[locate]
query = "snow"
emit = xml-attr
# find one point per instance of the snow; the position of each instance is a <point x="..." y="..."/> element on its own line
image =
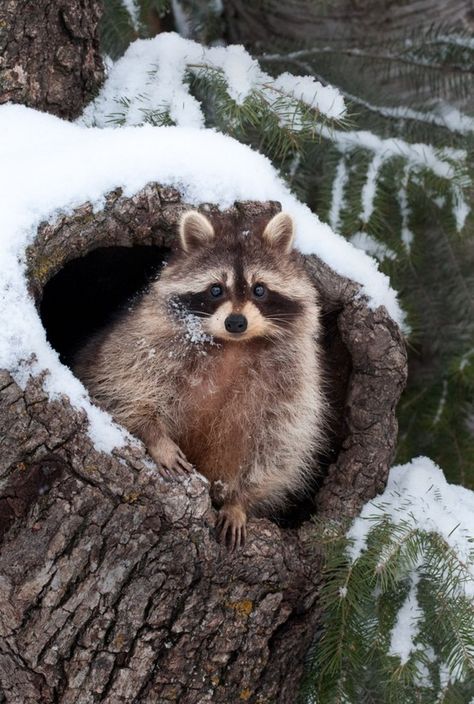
<point x="442" y="403"/>
<point x="418" y="494"/>
<point x="132" y="9"/>
<point x="407" y="626"/>
<point x="241" y="72"/>
<point x="181" y="19"/>
<point x="406" y="235"/>
<point x="453" y="119"/>
<point x="442" y="162"/>
<point x="465" y="359"/>
<point x="379" y="250"/>
<point x="442" y="115"/>
<point x="460" y="40"/>
<point x="326" y="99"/>
<point x="192" y="326"/>
<point x="337" y="200"/>
<point x="151" y="76"/>
<point x="370" y="186"/>
<point x="460" y="209"/>
<point x="50" y="166"/>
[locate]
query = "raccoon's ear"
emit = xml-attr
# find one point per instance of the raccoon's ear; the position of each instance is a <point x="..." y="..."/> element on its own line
<point x="280" y="232"/>
<point x="195" y="231"/>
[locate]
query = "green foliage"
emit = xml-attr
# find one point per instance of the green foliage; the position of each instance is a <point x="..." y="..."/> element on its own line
<point x="277" y="125"/>
<point x="117" y="26"/>
<point x="280" y="124"/>
<point x="353" y="659"/>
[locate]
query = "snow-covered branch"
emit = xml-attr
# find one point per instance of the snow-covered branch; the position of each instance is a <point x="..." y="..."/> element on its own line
<point x="443" y="115"/>
<point x="445" y="163"/>
<point x="153" y="77"/>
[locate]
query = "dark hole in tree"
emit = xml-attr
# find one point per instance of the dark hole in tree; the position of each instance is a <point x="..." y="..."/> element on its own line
<point x="87" y="292"/>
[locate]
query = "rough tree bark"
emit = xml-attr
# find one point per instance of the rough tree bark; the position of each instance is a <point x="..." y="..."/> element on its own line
<point x="112" y="586"/>
<point x="49" y="54"/>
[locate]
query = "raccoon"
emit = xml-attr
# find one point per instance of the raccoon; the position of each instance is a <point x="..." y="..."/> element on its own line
<point x="218" y="367"/>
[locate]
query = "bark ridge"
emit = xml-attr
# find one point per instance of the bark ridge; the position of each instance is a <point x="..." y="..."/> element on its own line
<point x="49" y="54"/>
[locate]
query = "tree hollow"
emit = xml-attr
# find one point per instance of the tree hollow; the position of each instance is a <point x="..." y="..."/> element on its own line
<point x="114" y="588"/>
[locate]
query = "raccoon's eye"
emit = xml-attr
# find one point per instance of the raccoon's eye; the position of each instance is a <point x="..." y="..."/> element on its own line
<point x="259" y="290"/>
<point x="216" y="290"/>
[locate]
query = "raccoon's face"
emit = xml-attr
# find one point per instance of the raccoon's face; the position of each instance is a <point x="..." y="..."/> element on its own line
<point x="240" y="285"/>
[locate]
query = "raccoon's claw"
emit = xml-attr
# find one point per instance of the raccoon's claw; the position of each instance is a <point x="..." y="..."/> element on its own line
<point x="170" y="460"/>
<point x="231" y="527"/>
<point x="183" y="462"/>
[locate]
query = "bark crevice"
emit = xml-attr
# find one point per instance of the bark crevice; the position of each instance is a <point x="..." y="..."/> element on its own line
<point x="50" y="55"/>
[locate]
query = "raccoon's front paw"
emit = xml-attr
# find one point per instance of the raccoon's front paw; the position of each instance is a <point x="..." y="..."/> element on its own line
<point x="170" y="460"/>
<point x="231" y="527"/>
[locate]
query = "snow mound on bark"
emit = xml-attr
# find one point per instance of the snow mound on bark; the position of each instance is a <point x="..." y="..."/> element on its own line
<point x="50" y="166"/>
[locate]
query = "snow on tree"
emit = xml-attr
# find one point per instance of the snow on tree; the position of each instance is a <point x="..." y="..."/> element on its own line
<point x="115" y="587"/>
<point x="399" y="595"/>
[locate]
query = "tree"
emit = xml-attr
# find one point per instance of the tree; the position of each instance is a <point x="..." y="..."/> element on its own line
<point x="50" y="55"/>
<point x="116" y="589"/>
<point x="115" y="595"/>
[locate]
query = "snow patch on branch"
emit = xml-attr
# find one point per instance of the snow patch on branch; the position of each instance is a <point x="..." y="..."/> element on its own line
<point x="370" y="186"/>
<point x="444" y="115"/>
<point x="443" y="163"/>
<point x="337" y="200"/>
<point x="407" y="234"/>
<point x="460" y="208"/>
<point x="312" y="93"/>
<point x="442" y="403"/>
<point x="418" y="495"/>
<point x="379" y="250"/>
<point x="152" y="77"/>
<point x="181" y="19"/>
<point x="407" y="626"/>
<point x="133" y="11"/>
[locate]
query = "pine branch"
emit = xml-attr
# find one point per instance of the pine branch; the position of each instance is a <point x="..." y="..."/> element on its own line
<point x="362" y="601"/>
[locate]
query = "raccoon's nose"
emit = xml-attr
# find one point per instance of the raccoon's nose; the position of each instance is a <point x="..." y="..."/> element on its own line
<point x="236" y="323"/>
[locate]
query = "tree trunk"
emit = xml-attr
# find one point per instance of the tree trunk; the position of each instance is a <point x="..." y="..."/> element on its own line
<point x="113" y="588"/>
<point x="112" y="585"/>
<point x="49" y="54"/>
<point x="346" y="21"/>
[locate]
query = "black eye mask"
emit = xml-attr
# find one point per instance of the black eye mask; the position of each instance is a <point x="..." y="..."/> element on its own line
<point x="202" y="303"/>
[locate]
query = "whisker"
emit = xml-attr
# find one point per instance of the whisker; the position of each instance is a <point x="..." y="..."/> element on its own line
<point x="200" y="313"/>
<point x="275" y="319"/>
<point x="280" y="316"/>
